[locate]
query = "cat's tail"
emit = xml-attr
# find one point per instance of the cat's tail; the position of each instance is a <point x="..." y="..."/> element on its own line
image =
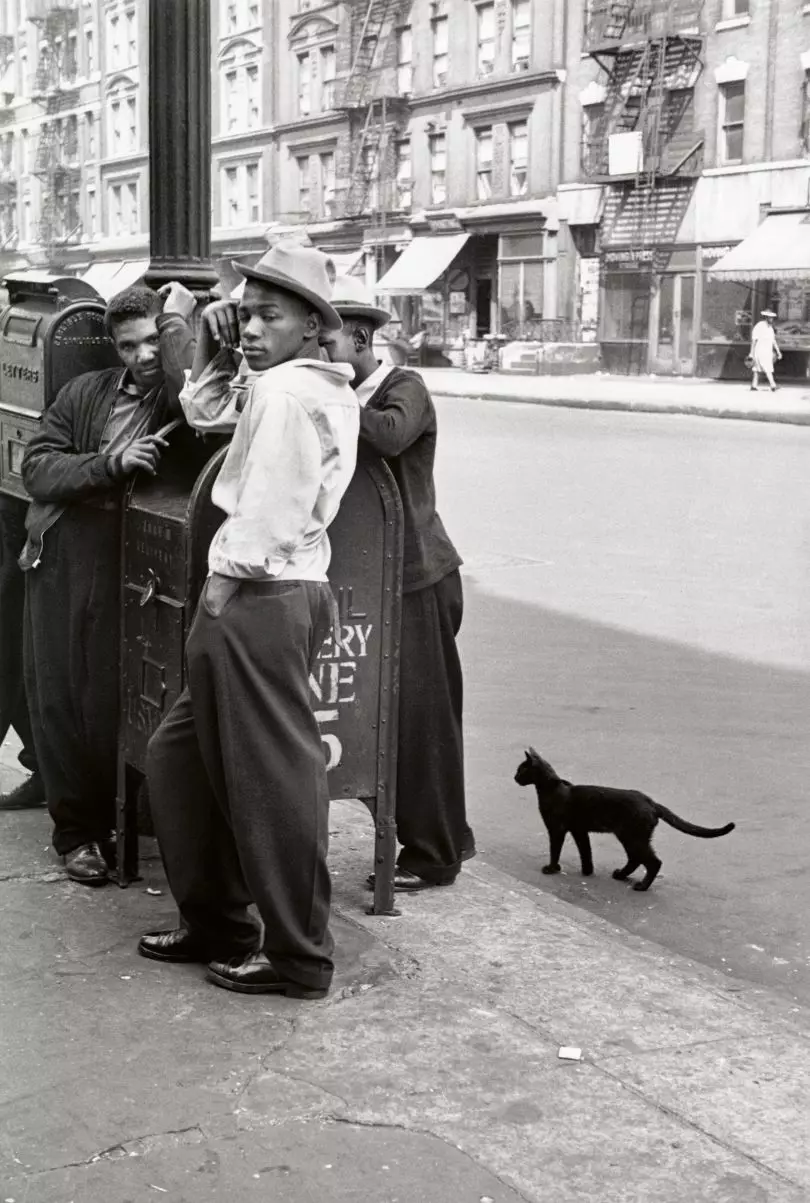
<point x="706" y="833"/>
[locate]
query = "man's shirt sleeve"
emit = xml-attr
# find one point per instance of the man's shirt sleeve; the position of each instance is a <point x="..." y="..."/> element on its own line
<point x="400" y="418"/>
<point x="52" y="468"/>
<point x="213" y="403"/>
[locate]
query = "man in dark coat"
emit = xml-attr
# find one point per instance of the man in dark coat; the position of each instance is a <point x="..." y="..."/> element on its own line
<point x="398" y="420"/>
<point x="102" y="428"/>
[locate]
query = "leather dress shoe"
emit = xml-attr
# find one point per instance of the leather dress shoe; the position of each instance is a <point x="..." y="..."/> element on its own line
<point x="176" y="945"/>
<point x="87" y="865"/>
<point x="28" y="795"/>
<point x="254" y="974"/>
<point x="403" y="880"/>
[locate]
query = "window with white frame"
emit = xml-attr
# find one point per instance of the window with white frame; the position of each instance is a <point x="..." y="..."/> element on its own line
<point x="236" y="15"/>
<point x="594" y="142"/>
<point x="438" y="169"/>
<point x="521" y="34"/>
<point x="130" y="21"/>
<point x="735" y="8"/>
<point x="240" y="91"/>
<point x="521" y="281"/>
<point x="404" y="61"/>
<point x="328" y="75"/>
<point x="123" y="212"/>
<point x="70" y="64"/>
<point x="404" y="174"/>
<point x="91" y="214"/>
<point x="328" y="183"/>
<point x="27" y="231"/>
<point x="122" y="39"/>
<point x="66" y="205"/>
<point x="518" y="158"/>
<point x="304" y="188"/>
<point x="486" y="39"/>
<point x="483" y="163"/>
<point x="90" y="140"/>
<point x="89" y="51"/>
<point x="441" y="36"/>
<point x="304" y="67"/>
<point x="732" y="121"/>
<point x="69" y="135"/>
<point x="122" y="107"/>
<point x="239" y="193"/>
<point x="25" y="153"/>
<point x="370" y="168"/>
<point x="804" y="132"/>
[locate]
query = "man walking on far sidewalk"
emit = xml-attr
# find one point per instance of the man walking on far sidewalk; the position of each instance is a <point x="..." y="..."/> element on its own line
<point x="763" y="349"/>
<point x="398" y="420"/>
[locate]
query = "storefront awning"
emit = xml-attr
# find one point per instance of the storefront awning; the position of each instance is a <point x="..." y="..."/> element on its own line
<point x="422" y="262"/>
<point x="345" y="262"/>
<point x="779" y="249"/>
<point x="114" y="275"/>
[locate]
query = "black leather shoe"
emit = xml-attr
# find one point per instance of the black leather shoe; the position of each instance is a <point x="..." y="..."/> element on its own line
<point x="403" y="880"/>
<point x="177" y="946"/>
<point x="254" y="974"/>
<point x="87" y="866"/>
<point x="29" y="795"/>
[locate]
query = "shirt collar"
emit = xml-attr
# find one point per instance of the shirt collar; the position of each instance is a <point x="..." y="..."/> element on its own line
<point x="128" y="388"/>
<point x="365" y="391"/>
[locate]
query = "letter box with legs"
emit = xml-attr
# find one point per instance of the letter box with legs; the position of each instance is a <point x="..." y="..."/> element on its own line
<point x="51" y="330"/>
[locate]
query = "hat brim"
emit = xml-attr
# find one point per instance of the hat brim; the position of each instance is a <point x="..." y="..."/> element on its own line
<point x="368" y="313"/>
<point x="331" y="317"/>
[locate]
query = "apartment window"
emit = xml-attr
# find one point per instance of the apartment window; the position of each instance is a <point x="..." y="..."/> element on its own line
<point x="123" y="122"/>
<point x="90" y="145"/>
<point x="6" y="150"/>
<point x="486" y="39"/>
<point x="483" y="163"/>
<point x="252" y="191"/>
<point x="735" y="8"/>
<point x="521" y="34"/>
<point x="302" y="167"/>
<point x="253" y="13"/>
<point x="732" y="120"/>
<point x="231" y="16"/>
<point x="123" y="209"/>
<point x="241" y="107"/>
<point x="91" y="213"/>
<point x="441" y="34"/>
<point x="239" y="185"/>
<point x="328" y="184"/>
<point x="521" y="277"/>
<point x="805" y="126"/>
<point x="594" y="145"/>
<point x="328" y="73"/>
<point x="237" y="15"/>
<point x="90" y="51"/>
<point x="71" y="139"/>
<point x="23" y="88"/>
<point x="438" y="169"/>
<point x="518" y="158"/>
<point x="114" y="42"/>
<point x="404" y="176"/>
<point x="404" y="61"/>
<point x="25" y="152"/>
<point x="8" y="220"/>
<point x="371" y="174"/>
<point x="304" y="85"/>
<point x="27" y="220"/>
<point x="71" y="62"/>
<point x="230" y="94"/>
<point x="252" y="91"/>
<point x="132" y="37"/>
<point x="66" y="218"/>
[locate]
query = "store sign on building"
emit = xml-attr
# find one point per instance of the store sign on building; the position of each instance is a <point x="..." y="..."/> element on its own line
<point x="444" y="225"/>
<point x="711" y="254"/>
<point x="628" y="259"/>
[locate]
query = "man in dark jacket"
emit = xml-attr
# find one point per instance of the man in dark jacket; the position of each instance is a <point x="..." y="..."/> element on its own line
<point x="102" y="427"/>
<point x="398" y="420"/>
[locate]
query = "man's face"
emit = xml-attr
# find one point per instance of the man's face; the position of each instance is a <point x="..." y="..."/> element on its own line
<point x="138" y="345"/>
<point x="274" y="325"/>
<point x="339" y="344"/>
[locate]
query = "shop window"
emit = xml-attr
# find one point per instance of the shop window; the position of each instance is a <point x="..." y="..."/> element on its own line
<point x="732" y="121"/>
<point x="521" y="34"/>
<point x="438" y="169"/>
<point x="518" y="159"/>
<point x="626" y="308"/>
<point x="441" y="35"/>
<point x="726" y="311"/>
<point x="404" y="182"/>
<point x="328" y="74"/>
<point x="483" y="163"/>
<point x="521" y="286"/>
<point x="404" y="61"/>
<point x="304" y="84"/>
<point x="486" y="39"/>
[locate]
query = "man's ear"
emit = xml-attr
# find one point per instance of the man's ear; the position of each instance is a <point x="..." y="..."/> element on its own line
<point x="362" y="339"/>
<point x="314" y="324"/>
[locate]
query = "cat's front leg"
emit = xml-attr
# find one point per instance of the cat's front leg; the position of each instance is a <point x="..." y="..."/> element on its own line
<point x="583" y="843"/>
<point x="555" y="840"/>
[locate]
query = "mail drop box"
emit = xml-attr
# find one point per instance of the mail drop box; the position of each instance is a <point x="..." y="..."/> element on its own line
<point x="51" y="330"/>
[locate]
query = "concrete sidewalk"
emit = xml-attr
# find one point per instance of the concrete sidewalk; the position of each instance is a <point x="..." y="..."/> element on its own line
<point x="430" y="1074"/>
<point x="636" y="394"/>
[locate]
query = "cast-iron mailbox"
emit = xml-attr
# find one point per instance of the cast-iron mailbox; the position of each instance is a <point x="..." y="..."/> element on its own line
<point x="169" y="521"/>
<point x="51" y="330"/>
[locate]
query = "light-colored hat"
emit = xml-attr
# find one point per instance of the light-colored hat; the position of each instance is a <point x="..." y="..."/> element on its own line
<point x="351" y="298"/>
<point x="767" y="313"/>
<point x="299" y="269"/>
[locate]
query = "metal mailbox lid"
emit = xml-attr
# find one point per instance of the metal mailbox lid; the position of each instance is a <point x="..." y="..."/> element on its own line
<point x="76" y="342"/>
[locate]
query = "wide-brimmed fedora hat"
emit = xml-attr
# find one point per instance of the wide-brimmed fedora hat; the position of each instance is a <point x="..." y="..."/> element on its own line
<point x="299" y="269"/>
<point x="767" y="313"/>
<point x="351" y="298"/>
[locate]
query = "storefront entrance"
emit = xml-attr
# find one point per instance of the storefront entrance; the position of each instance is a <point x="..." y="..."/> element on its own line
<point x="673" y="350"/>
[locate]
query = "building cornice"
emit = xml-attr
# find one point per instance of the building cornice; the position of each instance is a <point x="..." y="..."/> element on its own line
<point x="485" y="87"/>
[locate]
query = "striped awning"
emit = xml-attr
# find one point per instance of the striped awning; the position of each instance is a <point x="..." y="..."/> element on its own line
<point x="779" y="249"/>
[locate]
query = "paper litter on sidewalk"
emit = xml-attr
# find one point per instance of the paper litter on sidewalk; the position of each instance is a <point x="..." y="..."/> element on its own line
<point x="568" y="1053"/>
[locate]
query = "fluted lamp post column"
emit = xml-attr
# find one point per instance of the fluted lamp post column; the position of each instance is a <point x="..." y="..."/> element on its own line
<point x="180" y="144"/>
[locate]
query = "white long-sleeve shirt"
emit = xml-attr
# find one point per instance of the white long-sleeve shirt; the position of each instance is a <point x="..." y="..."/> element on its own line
<point x="291" y="458"/>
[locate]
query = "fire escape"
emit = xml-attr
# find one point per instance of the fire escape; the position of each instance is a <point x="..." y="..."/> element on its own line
<point x="368" y="95"/>
<point x="56" y="164"/>
<point x="652" y="54"/>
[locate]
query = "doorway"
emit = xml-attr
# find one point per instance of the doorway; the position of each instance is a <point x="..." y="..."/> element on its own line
<point x="674" y="343"/>
<point x="483" y="306"/>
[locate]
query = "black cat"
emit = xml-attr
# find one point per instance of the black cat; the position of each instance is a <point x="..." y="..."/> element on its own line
<point x="627" y="814"/>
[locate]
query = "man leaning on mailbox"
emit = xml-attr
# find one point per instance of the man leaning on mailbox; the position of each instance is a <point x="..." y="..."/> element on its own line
<point x="102" y="427"/>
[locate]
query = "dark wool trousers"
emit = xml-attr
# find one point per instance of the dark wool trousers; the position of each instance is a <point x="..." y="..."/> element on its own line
<point x="237" y="778"/>
<point x="13" y="706"/>
<point x="71" y="653"/>
<point x="431" y="808"/>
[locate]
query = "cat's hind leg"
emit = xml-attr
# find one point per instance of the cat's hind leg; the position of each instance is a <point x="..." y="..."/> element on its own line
<point x="653" y="865"/>
<point x="583" y="843"/>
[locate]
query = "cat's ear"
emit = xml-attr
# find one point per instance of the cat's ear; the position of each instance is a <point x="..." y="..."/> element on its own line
<point x="533" y="753"/>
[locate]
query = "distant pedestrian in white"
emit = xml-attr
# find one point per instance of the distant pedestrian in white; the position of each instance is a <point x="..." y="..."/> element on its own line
<point x="763" y="349"/>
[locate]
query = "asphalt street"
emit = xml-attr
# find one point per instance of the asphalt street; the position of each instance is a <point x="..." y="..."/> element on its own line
<point x="637" y="593"/>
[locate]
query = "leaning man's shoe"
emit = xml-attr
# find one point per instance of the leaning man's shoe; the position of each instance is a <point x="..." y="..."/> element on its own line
<point x="30" y="795"/>
<point x="177" y="946"/>
<point x="403" y="880"/>
<point x="87" y="866"/>
<point x="254" y="974"/>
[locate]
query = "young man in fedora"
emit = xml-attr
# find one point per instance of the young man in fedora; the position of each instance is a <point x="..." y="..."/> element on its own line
<point x="236" y="772"/>
<point x="398" y="420"/>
